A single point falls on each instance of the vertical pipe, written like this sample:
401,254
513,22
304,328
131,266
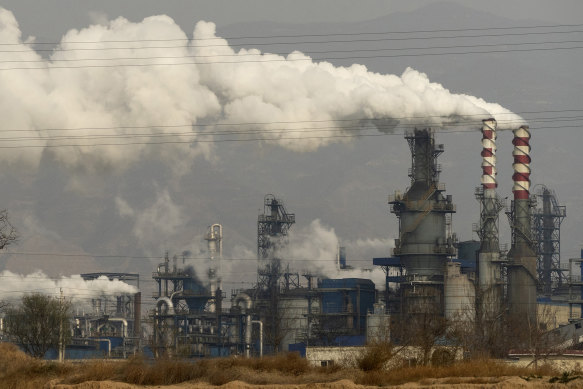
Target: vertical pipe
138,316
260,336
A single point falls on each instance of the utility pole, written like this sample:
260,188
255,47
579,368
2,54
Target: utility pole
61,343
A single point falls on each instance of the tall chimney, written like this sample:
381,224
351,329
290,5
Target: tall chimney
489,266
522,267
138,316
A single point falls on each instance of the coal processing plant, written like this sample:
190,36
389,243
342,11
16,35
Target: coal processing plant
493,291
431,277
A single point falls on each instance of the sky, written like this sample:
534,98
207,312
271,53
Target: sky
204,143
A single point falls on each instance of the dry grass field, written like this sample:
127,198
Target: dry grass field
283,371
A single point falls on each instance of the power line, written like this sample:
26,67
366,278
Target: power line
293,59
329,129
255,139
101,256
358,121
182,46
308,35
244,55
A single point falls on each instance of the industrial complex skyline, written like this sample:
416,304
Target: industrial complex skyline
117,207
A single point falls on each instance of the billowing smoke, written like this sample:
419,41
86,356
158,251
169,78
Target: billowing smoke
314,249
74,287
156,225
169,93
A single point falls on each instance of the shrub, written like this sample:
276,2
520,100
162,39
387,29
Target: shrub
375,356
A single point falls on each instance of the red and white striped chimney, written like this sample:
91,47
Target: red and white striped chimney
521,165
489,154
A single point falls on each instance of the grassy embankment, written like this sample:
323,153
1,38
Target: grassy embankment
20,371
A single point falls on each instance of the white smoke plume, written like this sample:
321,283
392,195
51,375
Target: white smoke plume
155,225
169,93
74,287
314,249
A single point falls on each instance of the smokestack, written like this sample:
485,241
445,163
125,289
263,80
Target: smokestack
522,267
489,183
489,269
138,315
521,165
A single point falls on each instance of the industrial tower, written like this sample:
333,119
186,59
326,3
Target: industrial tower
547,219
522,276
214,238
425,241
490,291
272,229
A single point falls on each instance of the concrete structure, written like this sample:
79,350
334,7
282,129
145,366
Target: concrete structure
460,295
347,356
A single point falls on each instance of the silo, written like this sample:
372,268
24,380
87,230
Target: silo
459,292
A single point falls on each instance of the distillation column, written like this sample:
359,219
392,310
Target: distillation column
490,293
522,266
214,238
424,214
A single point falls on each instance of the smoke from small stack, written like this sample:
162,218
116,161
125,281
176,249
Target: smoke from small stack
74,287
111,94
314,250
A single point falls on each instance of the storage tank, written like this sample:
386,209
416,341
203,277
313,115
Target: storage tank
460,294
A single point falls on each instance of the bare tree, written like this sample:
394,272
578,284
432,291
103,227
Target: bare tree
8,233
39,323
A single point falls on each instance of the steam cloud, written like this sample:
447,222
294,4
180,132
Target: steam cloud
14,286
314,249
87,90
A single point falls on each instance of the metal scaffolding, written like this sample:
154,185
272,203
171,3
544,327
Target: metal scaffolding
547,219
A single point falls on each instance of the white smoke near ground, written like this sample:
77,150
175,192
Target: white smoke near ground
119,82
74,287
314,250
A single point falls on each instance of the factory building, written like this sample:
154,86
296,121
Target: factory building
114,323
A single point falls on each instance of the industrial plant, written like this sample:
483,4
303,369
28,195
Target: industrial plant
431,277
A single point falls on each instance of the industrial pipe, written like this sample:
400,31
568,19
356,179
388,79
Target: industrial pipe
260,336
124,325
165,301
243,297
108,344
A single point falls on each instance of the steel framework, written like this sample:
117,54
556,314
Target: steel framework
547,219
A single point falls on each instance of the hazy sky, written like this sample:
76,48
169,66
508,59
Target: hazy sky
56,16
136,201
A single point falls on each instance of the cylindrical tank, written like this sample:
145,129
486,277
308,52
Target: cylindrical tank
459,294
